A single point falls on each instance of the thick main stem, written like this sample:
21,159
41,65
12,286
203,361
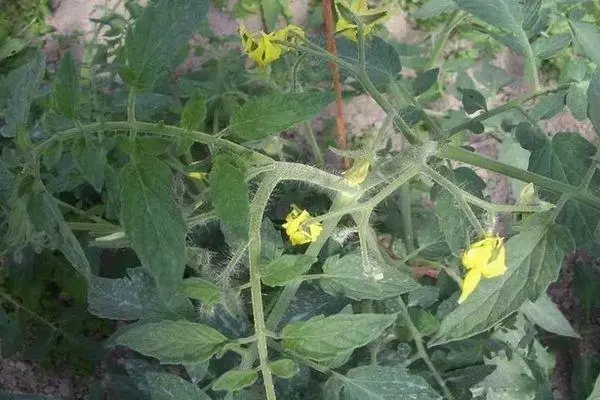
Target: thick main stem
477,160
257,208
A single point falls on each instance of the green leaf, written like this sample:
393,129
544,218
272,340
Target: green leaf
174,342
281,271
546,48
18,89
6,183
66,87
45,216
381,58
577,101
473,101
345,275
229,195
271,10
90,157
588,36
423,296
593,97
549,106
385,383
533,258
158,36
531,14
284,368
135,297
425,81
544,313
10,333
595,395
193,114
235,380
271,114
201,289
172,387
433,8
529,137
321,338
454,224
566,159
270,241
152,220
503,14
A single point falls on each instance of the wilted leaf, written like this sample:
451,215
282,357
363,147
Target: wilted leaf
174,342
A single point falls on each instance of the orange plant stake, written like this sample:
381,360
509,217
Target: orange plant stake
335,71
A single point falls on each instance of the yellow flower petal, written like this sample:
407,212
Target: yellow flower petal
200,176
358,173
296,228
469,284
497,265
479,253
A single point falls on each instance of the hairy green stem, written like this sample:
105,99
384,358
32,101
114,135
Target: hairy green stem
131,114
312,140
257,208
418,339
406,211
379,98
505,107
477,160
456,19
531,70
458,196
155,129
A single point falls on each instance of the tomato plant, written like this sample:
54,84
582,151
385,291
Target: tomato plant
264,270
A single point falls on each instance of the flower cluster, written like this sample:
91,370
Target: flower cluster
485,258
360,9
265,48
298,230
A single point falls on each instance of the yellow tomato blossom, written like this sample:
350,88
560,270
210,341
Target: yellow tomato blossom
296,228
358,173
199,176
361,10
265,48
485,258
